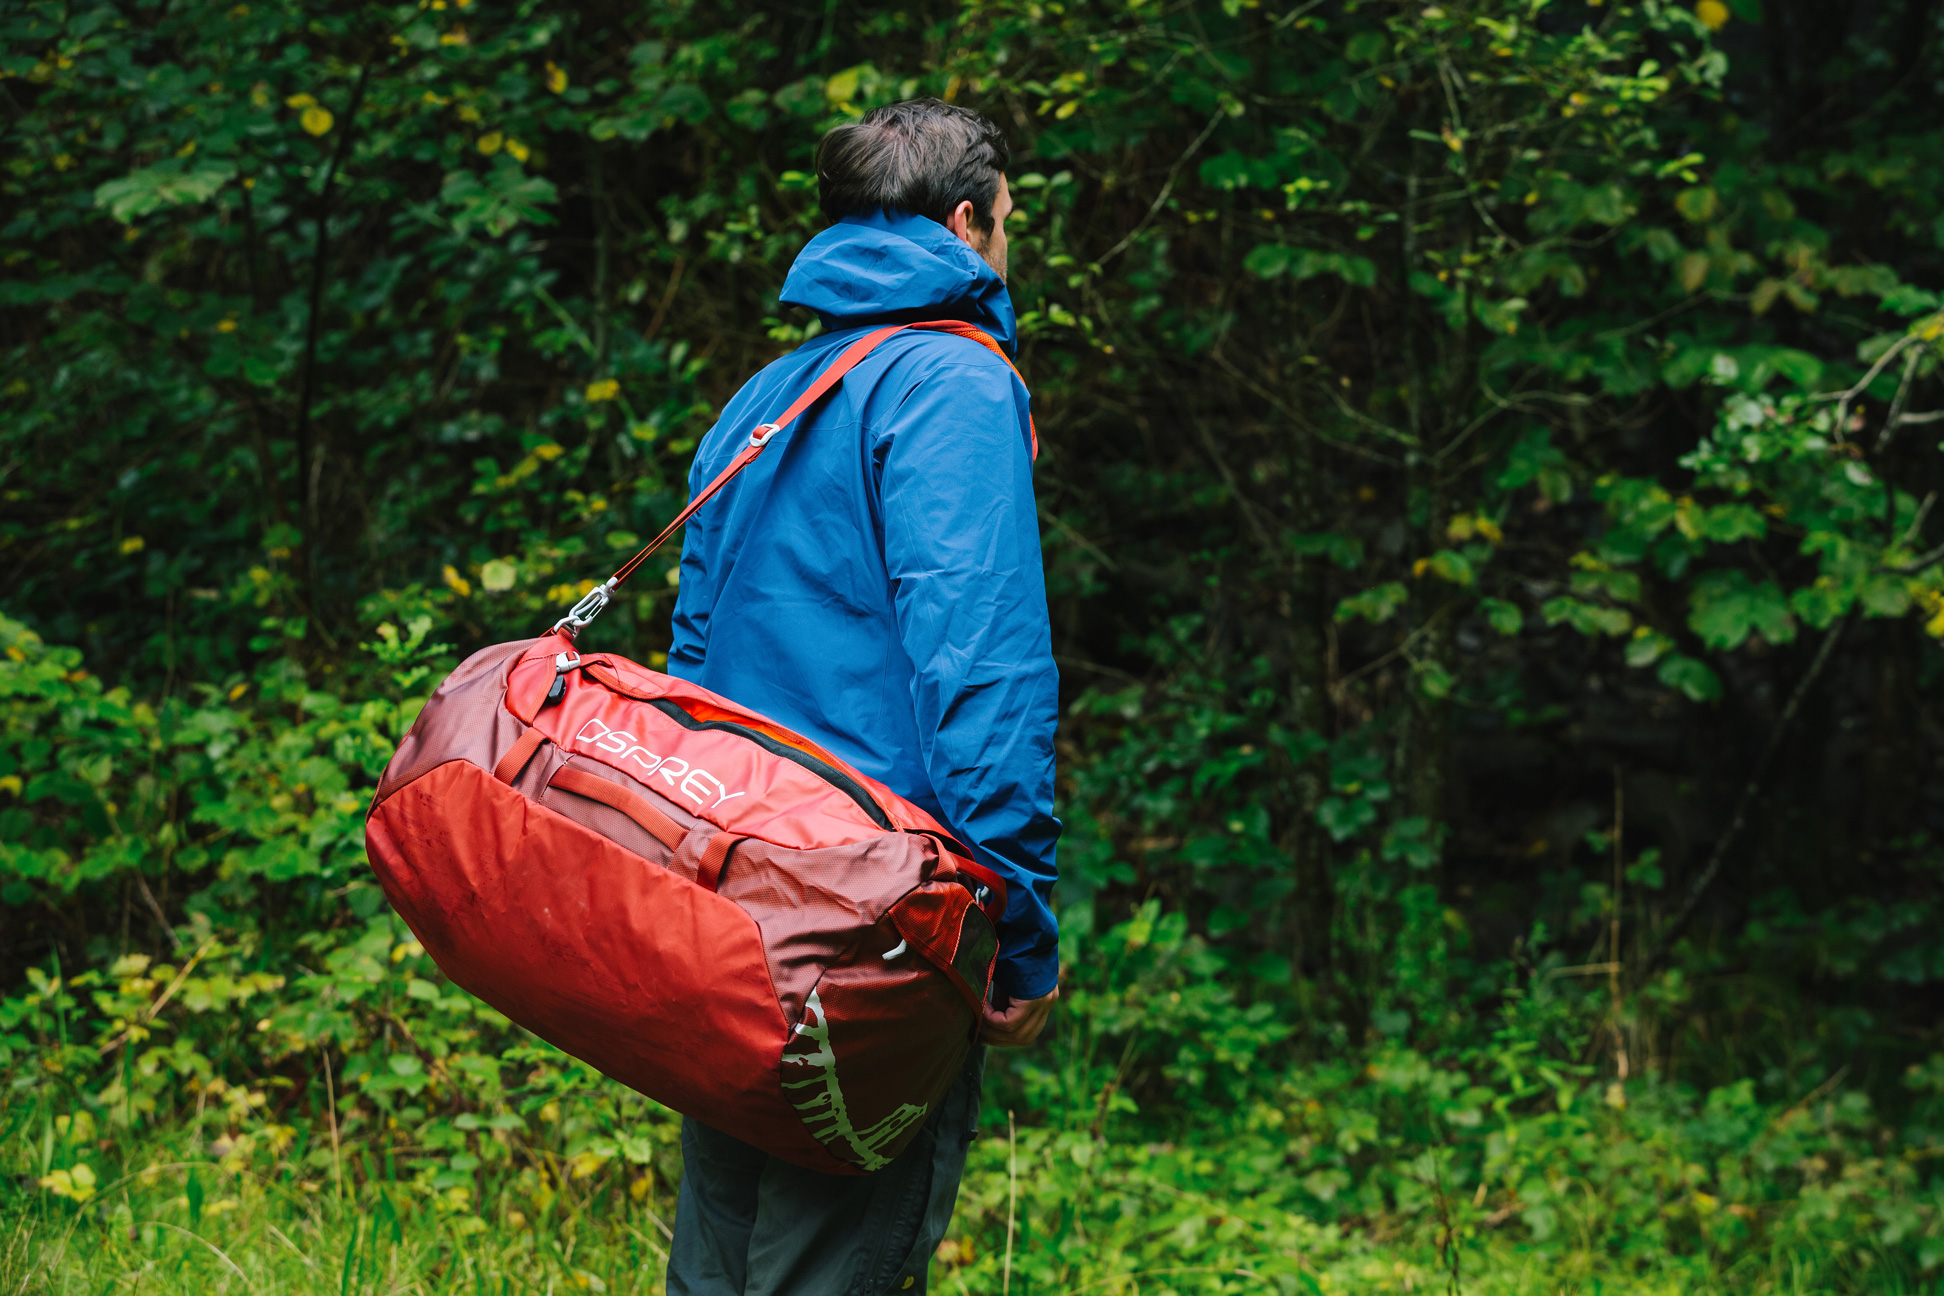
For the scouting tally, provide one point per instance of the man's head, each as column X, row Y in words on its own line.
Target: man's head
column 923, row 156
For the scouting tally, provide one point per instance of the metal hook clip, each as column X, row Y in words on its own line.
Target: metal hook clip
column 582, row 614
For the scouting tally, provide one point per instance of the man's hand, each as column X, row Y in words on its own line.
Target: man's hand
column 1020, row 1024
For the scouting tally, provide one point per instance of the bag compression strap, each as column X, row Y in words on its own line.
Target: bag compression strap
column 590, row 605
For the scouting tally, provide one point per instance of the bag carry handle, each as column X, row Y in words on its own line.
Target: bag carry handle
column 583, row 613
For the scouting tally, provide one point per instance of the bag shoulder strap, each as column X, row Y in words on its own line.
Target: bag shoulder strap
column 597, row 598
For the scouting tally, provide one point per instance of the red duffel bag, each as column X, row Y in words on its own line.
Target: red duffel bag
column 705, row 906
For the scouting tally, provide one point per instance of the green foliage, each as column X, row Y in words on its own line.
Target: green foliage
column 1470, row 431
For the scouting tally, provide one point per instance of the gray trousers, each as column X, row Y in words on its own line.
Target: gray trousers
column 747, row 1224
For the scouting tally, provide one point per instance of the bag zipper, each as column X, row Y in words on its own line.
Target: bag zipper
column 828, row 773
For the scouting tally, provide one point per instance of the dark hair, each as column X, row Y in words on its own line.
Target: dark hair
column 923, row 155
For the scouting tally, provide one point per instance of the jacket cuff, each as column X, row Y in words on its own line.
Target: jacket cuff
column 1027, row 974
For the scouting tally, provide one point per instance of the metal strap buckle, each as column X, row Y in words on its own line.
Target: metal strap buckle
column 582, row 614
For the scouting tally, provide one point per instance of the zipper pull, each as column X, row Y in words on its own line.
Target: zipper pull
column 563, row 662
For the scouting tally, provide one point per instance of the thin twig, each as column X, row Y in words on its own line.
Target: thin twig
column 149, row 1013
column 1060, row 524
column 337, row 1154
column 1664, row 940
column 1167, row 188
column 1844, row 398
column 214, row 1249
column 1012, row 1200
column 1403, row 649
column 307, row 386
column 1918, row 563
column 1916, row 527
column 155, row 908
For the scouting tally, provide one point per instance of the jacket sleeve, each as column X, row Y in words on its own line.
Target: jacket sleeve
column 962, row 550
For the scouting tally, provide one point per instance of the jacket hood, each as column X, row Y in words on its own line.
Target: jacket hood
column 892, row 267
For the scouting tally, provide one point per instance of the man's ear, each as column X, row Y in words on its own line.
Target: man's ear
column 960, row 221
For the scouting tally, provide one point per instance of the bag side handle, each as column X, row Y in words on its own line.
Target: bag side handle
column 583, row 613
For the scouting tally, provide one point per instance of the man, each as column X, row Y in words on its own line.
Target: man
column 874, row 582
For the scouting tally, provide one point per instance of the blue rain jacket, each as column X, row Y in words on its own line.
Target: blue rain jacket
column 873, row 581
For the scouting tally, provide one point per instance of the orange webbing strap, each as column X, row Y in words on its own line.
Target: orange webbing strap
column 708, row 869
column 518, row 755
column 760, row 438
column 638, row 808
column 984, row 339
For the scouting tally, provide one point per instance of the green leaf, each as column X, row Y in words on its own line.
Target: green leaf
column 1691, row 677
column 1345, row 551
column 1504, row 617
column 1534, row 458
column 1271, row 260
column 1647, row 647
column 1589, row 619
column 1728, row 523
column 501, row 199
column 1448, row 565
column 1344, row 817
column 1376, row 605
column 1725, row 607
column 1368, row 46
column 1415, row 841
column 166, row 184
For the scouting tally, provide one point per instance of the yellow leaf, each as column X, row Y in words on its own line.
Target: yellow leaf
column 1712, row 13
column 556, row 79
column 317, row 120
column 548, row 450
column 186, row 149
column 299, row 101
column 10, row 783
column 226, row 326
column 490, row 142
column 606, row 389
column 1694, row 271
column 456, row 583
column 78, row 1183
column 238, row 691
column 133, row 545
column 519, row 151
column 842, row 88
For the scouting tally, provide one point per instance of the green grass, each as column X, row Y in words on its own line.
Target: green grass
column 1228, row 1214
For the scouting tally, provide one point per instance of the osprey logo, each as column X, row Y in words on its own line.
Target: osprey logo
column 698, row 785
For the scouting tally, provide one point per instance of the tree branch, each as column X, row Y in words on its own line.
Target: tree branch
column 1664, row 939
